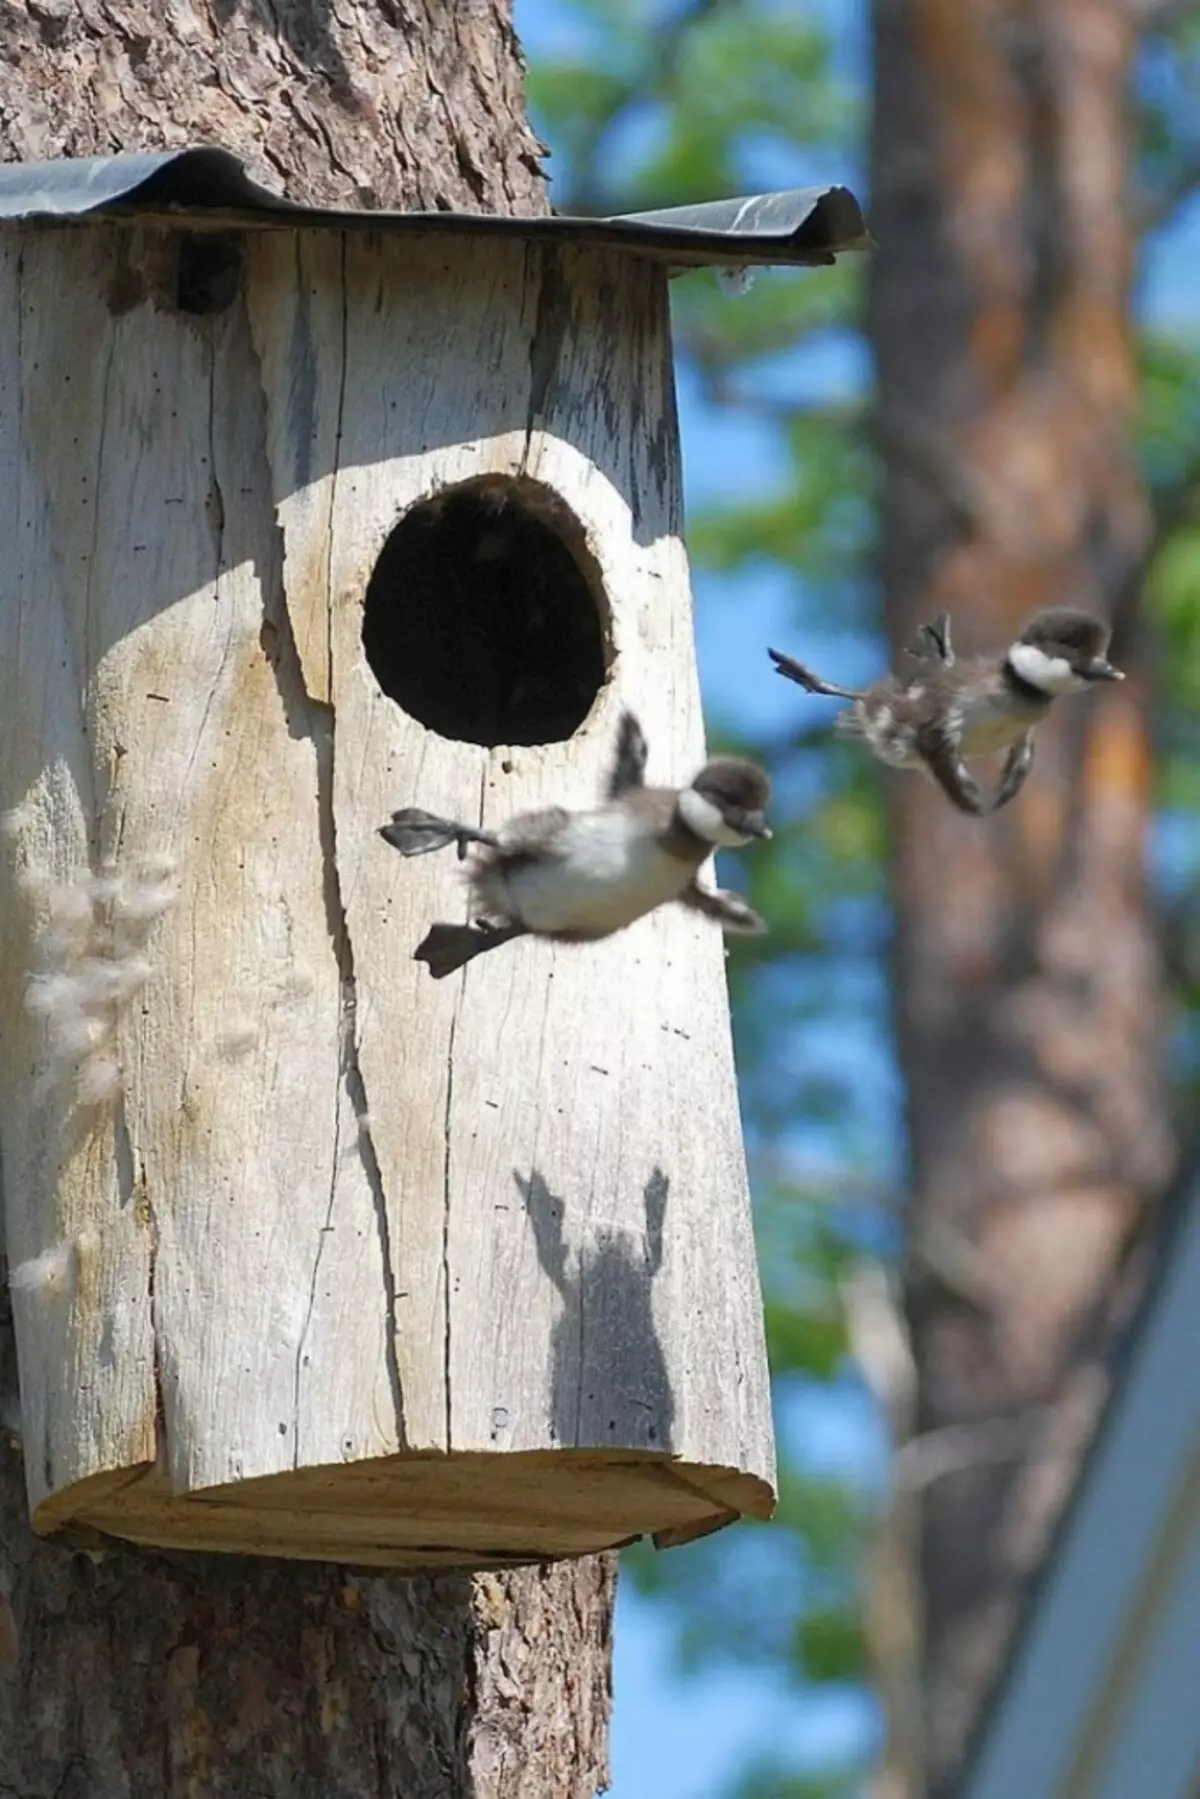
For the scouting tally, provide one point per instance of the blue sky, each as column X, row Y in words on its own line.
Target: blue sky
column 685, row 1738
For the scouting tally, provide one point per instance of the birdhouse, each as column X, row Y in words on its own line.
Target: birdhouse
column 311, row 516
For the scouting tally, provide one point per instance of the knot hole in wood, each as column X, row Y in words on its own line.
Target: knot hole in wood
column 208, row 271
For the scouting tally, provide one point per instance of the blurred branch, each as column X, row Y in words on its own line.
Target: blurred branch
column 894, row 1618
column 930, row 454
column 721, row 390
column 879, row 1342
column 985, row 1441
column 937, row 1253
column 893, row 1615
column 947, row 1257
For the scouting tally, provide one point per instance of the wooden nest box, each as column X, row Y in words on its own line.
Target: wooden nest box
column 310, row 516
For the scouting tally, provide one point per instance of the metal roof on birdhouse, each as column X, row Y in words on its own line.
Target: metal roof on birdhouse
column 805, row 225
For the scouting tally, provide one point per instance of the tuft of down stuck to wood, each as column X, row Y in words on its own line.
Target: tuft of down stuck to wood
column 311, row 1256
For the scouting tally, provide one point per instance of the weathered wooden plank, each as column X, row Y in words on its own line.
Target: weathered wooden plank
column 243, row 1154
column 79, row 1255
column 435, row 390
column 297, row 300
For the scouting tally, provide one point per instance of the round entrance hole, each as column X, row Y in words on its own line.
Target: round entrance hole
column 480, row 620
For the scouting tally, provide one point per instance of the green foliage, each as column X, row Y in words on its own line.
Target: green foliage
column 1170, row 409
column 710, row 84
column 829, row 1643
column 765, row 1780
column 1173, row 591
column 721, row 331
column 725, row 1594
column 820, row 522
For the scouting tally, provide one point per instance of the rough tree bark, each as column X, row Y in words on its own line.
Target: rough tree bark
column 150, row 1675
column 373, row 103
column 1028, row 986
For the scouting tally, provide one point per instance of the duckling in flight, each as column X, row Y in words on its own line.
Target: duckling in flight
column 579, row 876
column 948, row 711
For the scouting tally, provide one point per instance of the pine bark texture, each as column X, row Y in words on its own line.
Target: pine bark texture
column 1030, row 1008
column 130, row 1674
column 374, row 103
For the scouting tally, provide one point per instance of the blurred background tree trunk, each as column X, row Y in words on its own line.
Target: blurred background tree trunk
column 1028, row 989
column 150, row 1676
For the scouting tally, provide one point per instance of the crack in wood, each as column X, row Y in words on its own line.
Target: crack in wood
column 549, row 333
column 132, row 1186
column 321, row 1238
column 289, row 670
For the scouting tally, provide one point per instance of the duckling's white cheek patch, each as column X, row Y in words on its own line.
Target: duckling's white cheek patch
column 701, row 816
column 1049, row 674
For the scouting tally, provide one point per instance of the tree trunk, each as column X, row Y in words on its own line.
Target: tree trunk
column 1029, row 1002
column 126, row 1673
column 374, row 103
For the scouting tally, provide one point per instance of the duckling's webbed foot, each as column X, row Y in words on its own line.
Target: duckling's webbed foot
column 933, row 642
column 445, row 948
column 804, row 677
column 730, row 910
column 417, row 833
column 1017, row 765
column 943, row 759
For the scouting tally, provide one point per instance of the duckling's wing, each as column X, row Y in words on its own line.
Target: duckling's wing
column 629, row 761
